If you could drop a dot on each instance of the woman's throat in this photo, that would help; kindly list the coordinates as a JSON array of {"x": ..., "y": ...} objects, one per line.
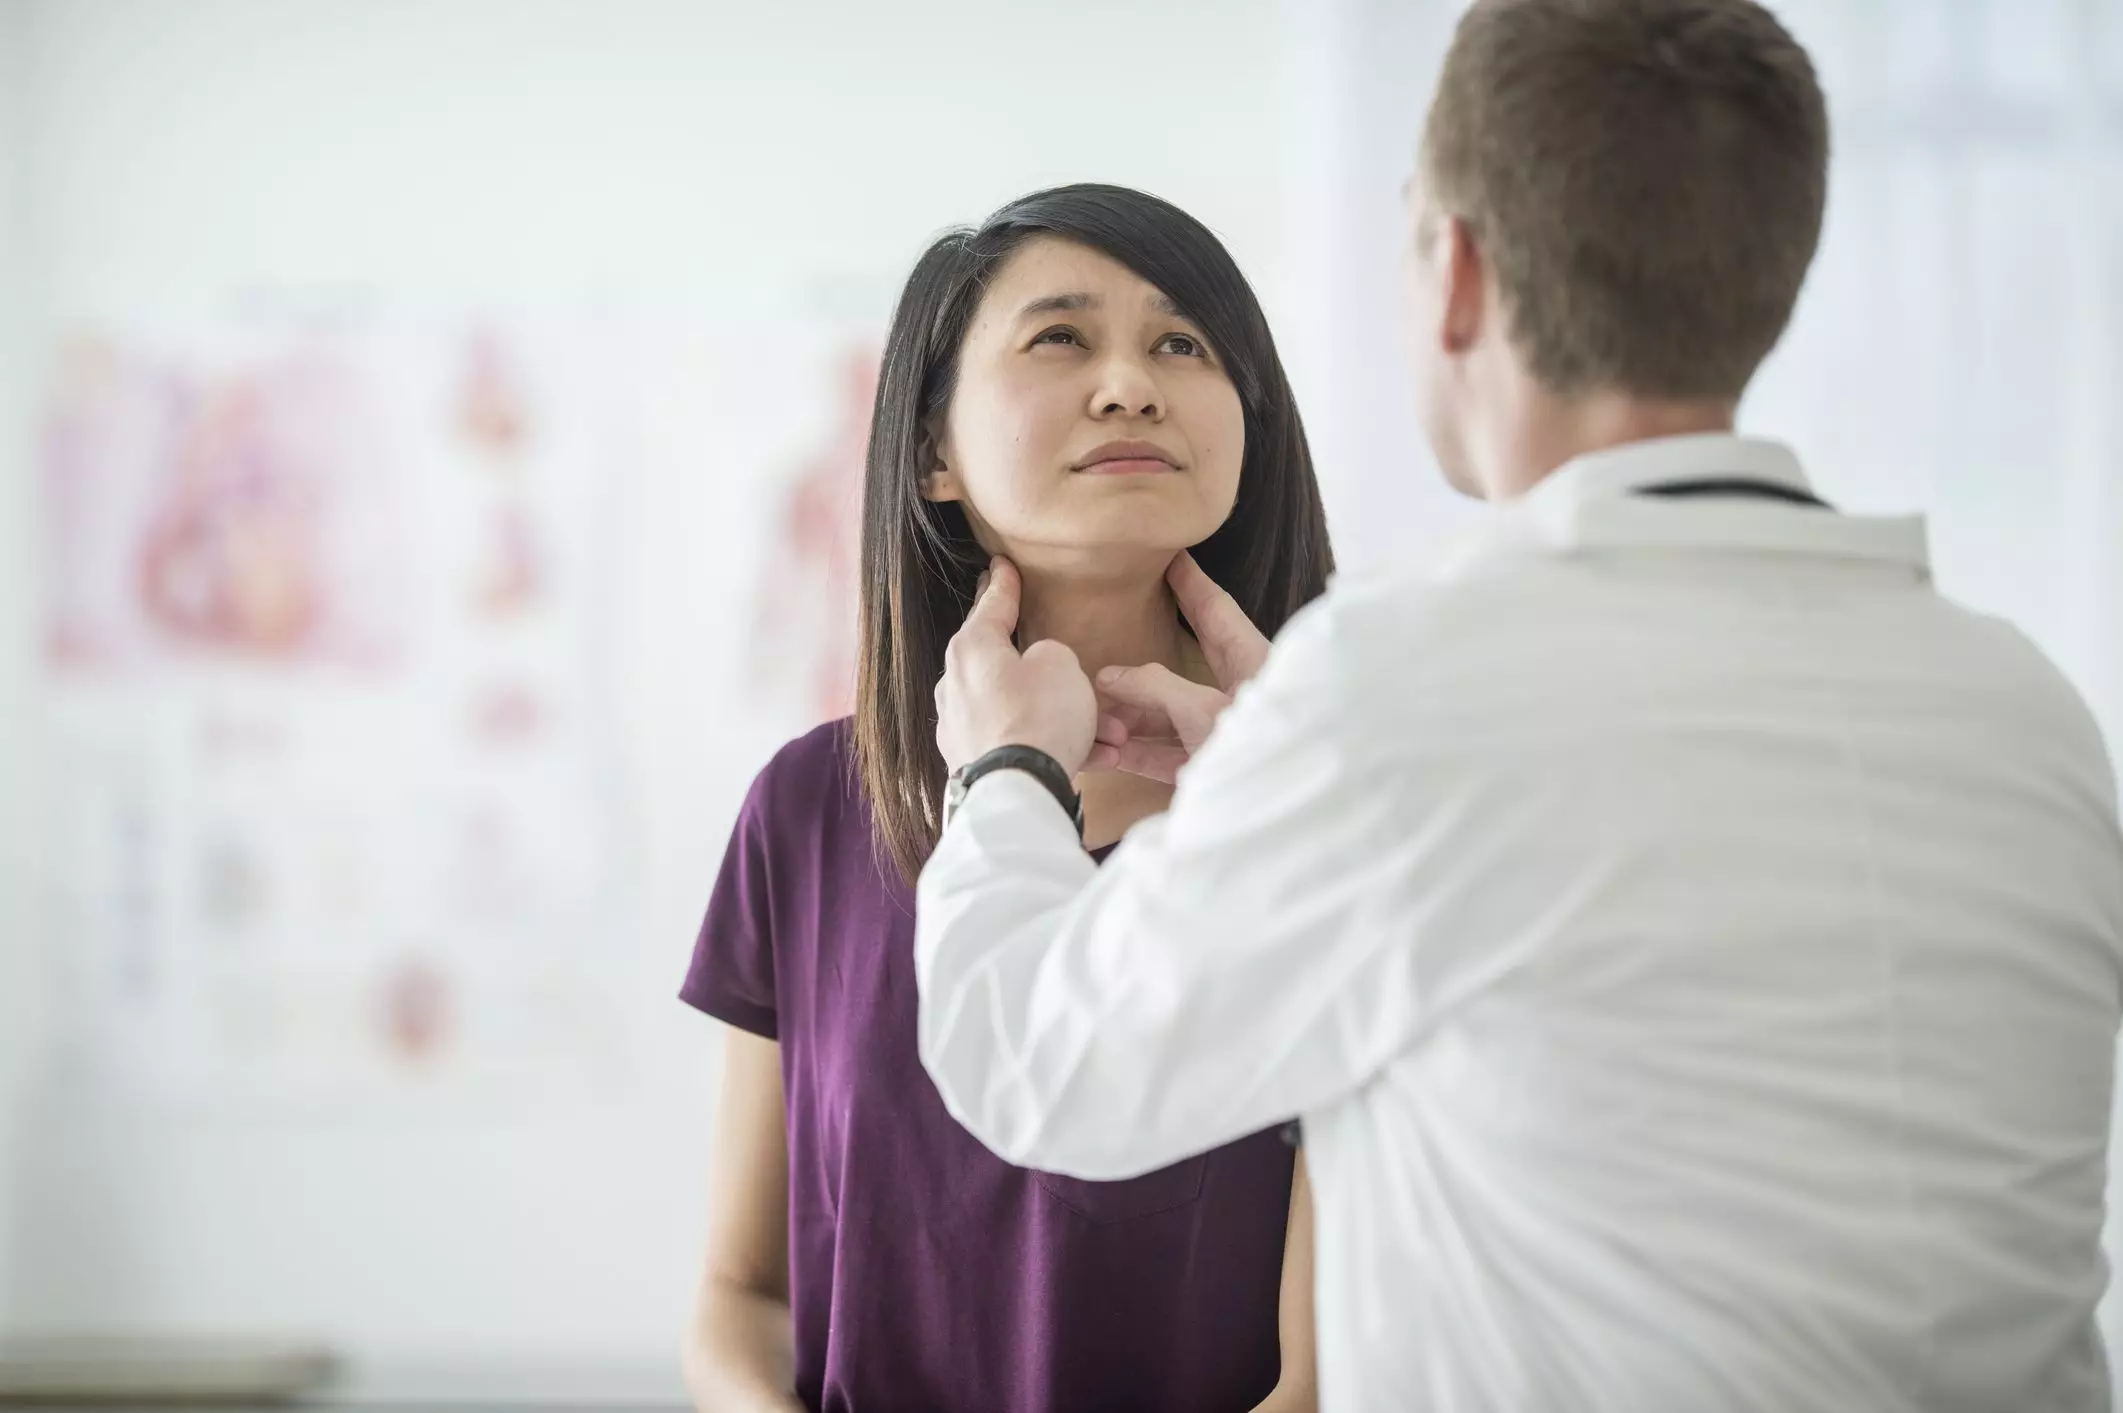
[{"x": 1106, "y": 629}]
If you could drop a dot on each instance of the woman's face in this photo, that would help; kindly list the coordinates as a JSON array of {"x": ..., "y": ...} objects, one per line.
[{"x": 1088, "y": 417}]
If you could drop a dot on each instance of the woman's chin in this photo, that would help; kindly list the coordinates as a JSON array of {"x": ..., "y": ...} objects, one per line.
[
  {"x": 1101, "y": 557},
  {"x": 1142, "y": 525}
]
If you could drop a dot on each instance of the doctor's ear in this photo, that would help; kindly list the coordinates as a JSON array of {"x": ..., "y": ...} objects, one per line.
[{"x": 1464, "y": 271}]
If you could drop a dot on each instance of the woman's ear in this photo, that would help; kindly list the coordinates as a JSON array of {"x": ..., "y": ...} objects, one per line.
[{"x": 938, "y": 481}]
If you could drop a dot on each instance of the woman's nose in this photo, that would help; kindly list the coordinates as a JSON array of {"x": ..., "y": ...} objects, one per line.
[{"x": 1127, "y": 389}]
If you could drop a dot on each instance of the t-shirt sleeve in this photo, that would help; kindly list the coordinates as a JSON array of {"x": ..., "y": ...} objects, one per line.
[{"x": 731, "y": 976}]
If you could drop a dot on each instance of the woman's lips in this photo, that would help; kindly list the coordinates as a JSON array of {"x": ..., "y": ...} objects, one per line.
[{"x": 1128, "y": 466}]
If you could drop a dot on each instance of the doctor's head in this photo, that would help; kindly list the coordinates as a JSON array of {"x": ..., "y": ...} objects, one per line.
[
  {"x": 1087, "y": 384},
  {"x": 1613, "y": 210}
]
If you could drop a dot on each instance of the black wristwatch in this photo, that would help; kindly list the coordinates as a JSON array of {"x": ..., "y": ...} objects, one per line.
[{"x": 1033, "y": 762}]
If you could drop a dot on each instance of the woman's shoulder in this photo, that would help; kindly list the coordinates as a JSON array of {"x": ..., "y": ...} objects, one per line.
[
  {"x": 825, "y": 752},
  {"x": 806, "y": 826},
  {"x": 809, "y": 781}
]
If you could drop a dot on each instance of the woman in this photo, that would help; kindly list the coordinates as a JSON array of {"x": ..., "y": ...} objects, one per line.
[{"x": 1087, "y": 385}]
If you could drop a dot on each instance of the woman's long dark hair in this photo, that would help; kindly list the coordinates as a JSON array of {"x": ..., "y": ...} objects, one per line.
[{"x": 919, "y": 557}]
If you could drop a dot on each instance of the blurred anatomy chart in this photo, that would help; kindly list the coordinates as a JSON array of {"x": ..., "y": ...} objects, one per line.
[
  {"x": 805, "y": 626},
  {"x": 357, "y": 637},
  {"x": 323, "y": 614}
]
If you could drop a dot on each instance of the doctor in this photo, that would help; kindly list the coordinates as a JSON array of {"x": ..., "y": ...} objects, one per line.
[{"x": 1691, "y": 943}]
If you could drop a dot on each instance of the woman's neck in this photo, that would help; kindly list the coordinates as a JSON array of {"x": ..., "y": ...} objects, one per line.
[
  {"x": 1117, "y": 620},
  {"x": 1123, "y": 620}
]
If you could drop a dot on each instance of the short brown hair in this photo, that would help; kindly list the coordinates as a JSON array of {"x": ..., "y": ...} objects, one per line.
[{"x": 1646, "y": 177}]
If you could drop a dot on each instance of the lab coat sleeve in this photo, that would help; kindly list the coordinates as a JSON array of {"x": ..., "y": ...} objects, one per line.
[{"x": 1235, "y": 963}]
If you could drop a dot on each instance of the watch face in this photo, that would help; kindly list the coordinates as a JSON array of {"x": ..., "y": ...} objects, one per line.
[{"x": 954, "y": 795}]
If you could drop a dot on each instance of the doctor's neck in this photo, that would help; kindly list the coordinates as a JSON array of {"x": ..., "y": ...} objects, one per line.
[
  {"x": 1540, "y": 431},
  {"x": 1112, "y": 610}
]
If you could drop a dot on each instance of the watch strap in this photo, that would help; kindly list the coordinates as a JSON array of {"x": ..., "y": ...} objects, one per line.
[{"x": 1035, "y": 763}]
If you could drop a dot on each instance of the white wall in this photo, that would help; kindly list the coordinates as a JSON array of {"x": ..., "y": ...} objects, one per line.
[
  {"x": 532, "y": 154},
  {"x": 17, "y": 956},
  {"x": 1360, "y": 83}
]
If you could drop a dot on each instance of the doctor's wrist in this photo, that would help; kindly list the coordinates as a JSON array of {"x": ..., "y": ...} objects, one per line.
[{"x": 1028, "y": 760}]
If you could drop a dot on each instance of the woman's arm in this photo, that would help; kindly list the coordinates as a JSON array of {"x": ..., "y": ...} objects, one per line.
[
  {"x": 1298, "y": 1389},
  {"x": 739, "y": 1354}
]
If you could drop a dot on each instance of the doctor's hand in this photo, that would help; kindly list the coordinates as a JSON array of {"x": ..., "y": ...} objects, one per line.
[
  {"x": 992, "y": 695},
  {"x": 1153, "y": 719}
]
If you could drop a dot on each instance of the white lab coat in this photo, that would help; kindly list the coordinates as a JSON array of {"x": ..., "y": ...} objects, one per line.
[{"x": 1692, "y": 944}]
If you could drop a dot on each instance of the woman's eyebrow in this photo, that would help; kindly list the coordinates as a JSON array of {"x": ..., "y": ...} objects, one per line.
[
  {"x": 1061, "y": 304},
  {"x": 1077, "y": 301}
]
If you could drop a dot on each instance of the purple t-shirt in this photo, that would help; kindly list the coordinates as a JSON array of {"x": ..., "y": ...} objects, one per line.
[{"x": 926, "y": 1273}]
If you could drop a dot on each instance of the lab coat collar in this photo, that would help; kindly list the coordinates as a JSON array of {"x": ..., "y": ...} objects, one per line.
[{"x": 1591, "y": 503}]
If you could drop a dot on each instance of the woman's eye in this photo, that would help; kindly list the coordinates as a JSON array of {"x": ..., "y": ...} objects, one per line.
[
  {"x": 1185, "y": 344},
  {"x": 1058, "y": 336}
]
